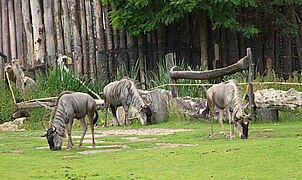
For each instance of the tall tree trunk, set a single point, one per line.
(203, 32)
(242, 47)
(123, 45)
(233, 53)
(109, 42)
(149, 60)
(49, 33)
(20, 31)
(184, 34)
(154, 50)
(12, 30)
(287, 50)
(224, 49)
(59, 30)
(298, 37)
(161, 40)
(90, 34)
(278, 63)
(141, 56)
(38, 28)
(66, 28)
(29, 54)
(132, 52)
(258, 54)
(84, 40)
(100, 43)
(116, 43)
(77, 44)
(269, 42)
(5, 30)
(1, 58)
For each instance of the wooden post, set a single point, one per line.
(172, 68)
(250, 79)
(217, 53)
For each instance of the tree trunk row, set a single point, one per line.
(39, 31)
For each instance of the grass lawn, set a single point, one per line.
(273, 151)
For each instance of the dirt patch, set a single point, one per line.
(43, 147)
(89, 136)
(141, 131)
(136, 139)
(104, 150)
(130, 131)
(14, 151)
(168, 145)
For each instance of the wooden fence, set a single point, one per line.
(38, 32)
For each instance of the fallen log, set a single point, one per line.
(242, 64)
(49, 102)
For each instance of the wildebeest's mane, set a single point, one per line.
(58, 123)
(237, 105)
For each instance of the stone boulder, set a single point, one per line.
(159, 102)
(277, 98)
(192, 107)
(13, 125)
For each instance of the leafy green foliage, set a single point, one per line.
(146, 15)
(58, 80)
(6, 103)
(143, 16)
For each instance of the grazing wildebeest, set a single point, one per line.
(226, 96)
(124, 93)
(71, 105)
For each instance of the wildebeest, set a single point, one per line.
(70, 105)
(124, 93)
(226, 96)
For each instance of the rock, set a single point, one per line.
(120, 114)
(13, 125)
(159, 104)
(278, 98)
(158, 101)
(9, 126)
(192, 107)
(20, 121)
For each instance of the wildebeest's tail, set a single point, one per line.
(205, 112)
(96, 117)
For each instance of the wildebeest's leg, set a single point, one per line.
(212, 119)
(90, 116)
(84, 129)
(69, 128)
(220, 119)
(106, 112)
(113, 110)
(126, 109)
(231, 122)
(211, 106)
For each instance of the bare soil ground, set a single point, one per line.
(133, 132)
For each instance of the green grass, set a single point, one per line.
(272, 152)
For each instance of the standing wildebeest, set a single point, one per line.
(69, 106)
(226, 96)
(124, 93)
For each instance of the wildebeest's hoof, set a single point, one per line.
(243, 137)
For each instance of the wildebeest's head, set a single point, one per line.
(145, 113)
(55, 140)
(243, 122)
